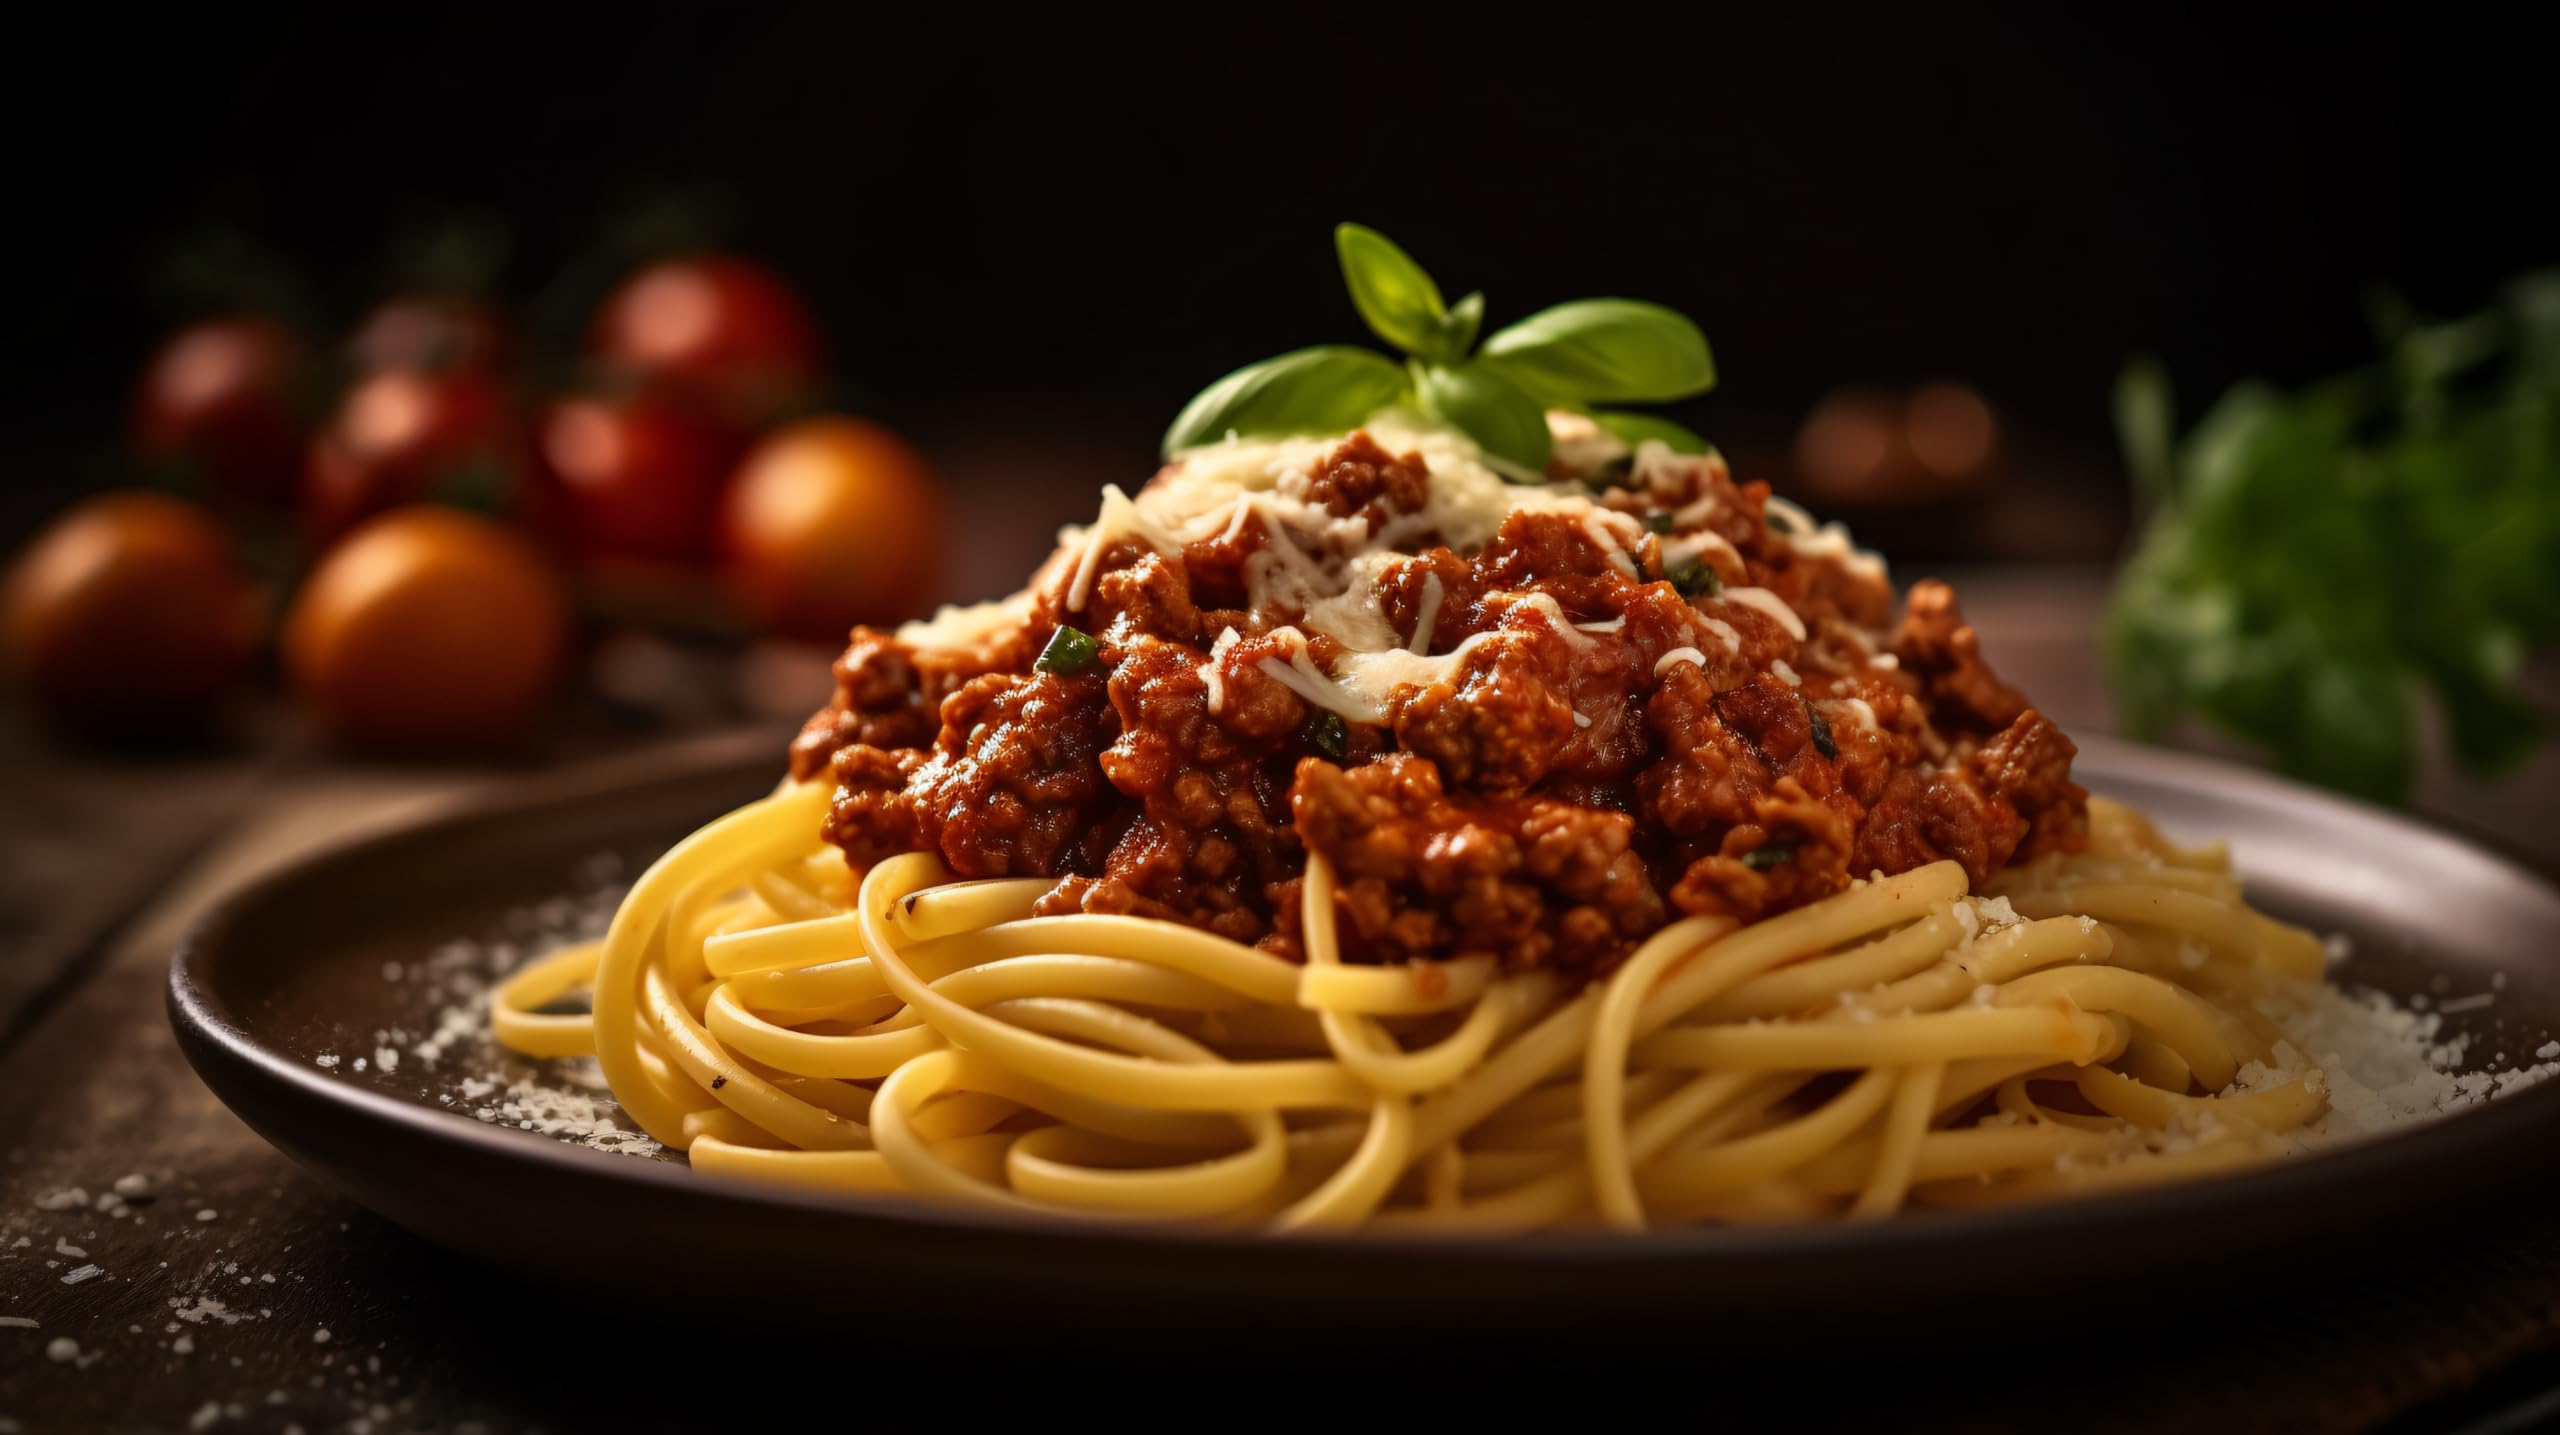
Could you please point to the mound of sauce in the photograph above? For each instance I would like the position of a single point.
(1538, 721)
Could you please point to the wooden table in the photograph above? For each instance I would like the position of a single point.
(234, 1291)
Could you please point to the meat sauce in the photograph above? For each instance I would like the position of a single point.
(1664, 703)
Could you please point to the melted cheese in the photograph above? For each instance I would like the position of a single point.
(1546, 606)
(1829, 540)
(1771, 604)
(1359, 691)
(1211, 677)
(1327, 568)
(1427, 618)
(958, 627)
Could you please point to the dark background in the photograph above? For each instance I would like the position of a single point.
(1019, 227)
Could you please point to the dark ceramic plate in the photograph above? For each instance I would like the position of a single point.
(299, 966)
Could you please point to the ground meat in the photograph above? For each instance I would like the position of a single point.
(1533, 881)
(1937, 646)
(1015, 783)
(1607, 751)
(1981, 809)
(1499, 727)
(1362, 478)
(879, 702)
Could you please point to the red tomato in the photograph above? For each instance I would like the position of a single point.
(219, 399)
(832, 522)
(725, 326)
(637, 475)
(130, 617)
(407, 434)
(427, 628)
(428, 331)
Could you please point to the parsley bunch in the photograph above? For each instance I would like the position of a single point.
(1592, 351)
(2316, 563)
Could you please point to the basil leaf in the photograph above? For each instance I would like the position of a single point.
(1633, 429)
(1605, 351)
(1695, 579)
(1319, 390)
(1497, 413)
(1458, 328)
(1393, 294)
(1071, 651)
(1328, 734)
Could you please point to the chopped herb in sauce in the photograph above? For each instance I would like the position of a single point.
(1822, 740)
(1761, 859)
(1327, 734)
(1695, 579)
(1660, 523)
(1070, 651)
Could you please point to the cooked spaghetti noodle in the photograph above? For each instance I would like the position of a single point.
(2092, 1020)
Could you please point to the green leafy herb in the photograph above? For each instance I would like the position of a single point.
(2316, 565)
(1695, 579)
(1823, 741)
(1762, 858)
(1318, 390)
(1327, 734)
(1662, 523)
(1633, 429)
(1395, 297)
(1458, 327)
(1605, 351)
(1498, 413)
(1070, 652)
(1569, 357)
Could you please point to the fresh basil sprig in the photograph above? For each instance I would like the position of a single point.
(1570, 357)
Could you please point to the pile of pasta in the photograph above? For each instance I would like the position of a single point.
(2092, 1021)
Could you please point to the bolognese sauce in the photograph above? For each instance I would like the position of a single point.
(1536, 721)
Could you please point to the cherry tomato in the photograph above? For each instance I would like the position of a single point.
(428, 331)
(832, 522)
(408, 434)
(219, 400)
(427, 627)
(637, 475)
(131, 617)
(725, 326)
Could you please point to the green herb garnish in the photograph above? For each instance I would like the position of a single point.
(1570, 356)
(1327, 734)
(1071, 651)
(1762, 858)
(2316, 563)
(1695, 579)
(1662, 523)
(1634, 429)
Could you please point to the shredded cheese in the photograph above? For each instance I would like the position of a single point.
(1771, 604)
(1428, 616)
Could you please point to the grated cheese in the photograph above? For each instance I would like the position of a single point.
(1771, 604)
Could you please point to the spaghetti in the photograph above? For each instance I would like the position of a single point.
(2089, 1020)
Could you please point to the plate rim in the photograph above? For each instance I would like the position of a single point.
(209, 1033)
